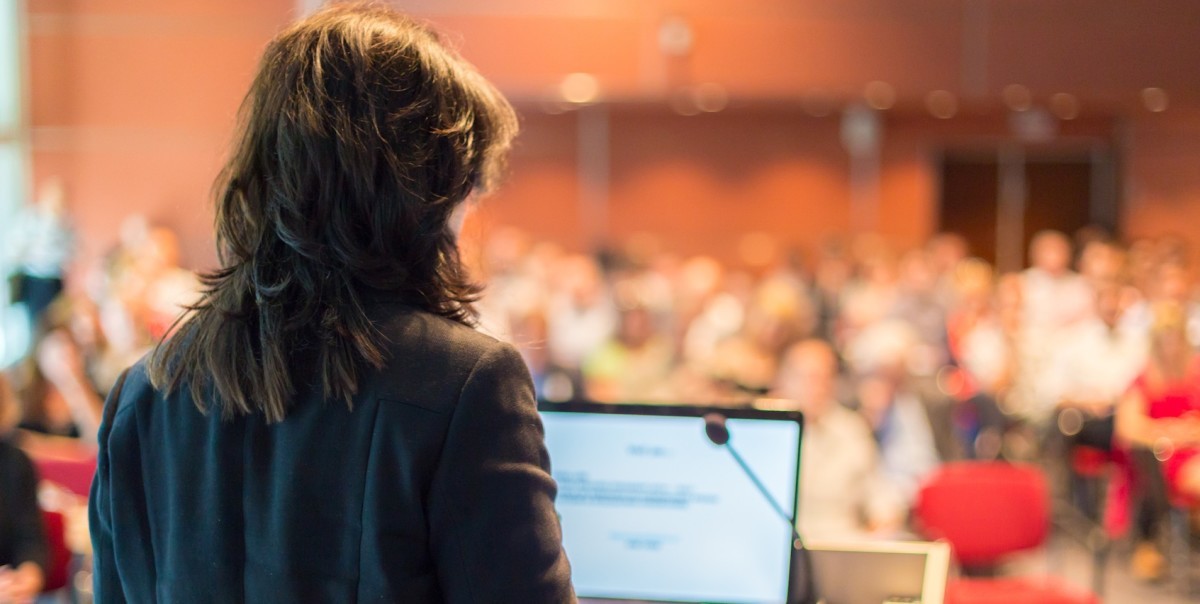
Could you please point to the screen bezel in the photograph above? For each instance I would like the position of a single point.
(796, 582)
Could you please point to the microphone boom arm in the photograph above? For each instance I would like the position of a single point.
(763, 489)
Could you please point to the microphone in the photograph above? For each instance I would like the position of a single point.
(718, 432)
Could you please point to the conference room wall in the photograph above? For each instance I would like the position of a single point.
(132, 103)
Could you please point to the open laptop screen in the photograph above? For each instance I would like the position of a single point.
(652, 510)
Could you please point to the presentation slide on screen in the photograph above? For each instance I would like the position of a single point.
(651, 509)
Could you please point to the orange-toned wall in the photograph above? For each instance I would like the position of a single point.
(1162, 181)
(699, 184)
(132, 105)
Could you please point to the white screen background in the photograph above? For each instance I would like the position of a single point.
(651, 509)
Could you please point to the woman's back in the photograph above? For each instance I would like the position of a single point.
(435, 487)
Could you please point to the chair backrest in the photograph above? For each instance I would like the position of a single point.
(75, 475)
(986, 510)
(58, 570)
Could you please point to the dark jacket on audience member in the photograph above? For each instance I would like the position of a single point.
(22, 536)
(435, 488)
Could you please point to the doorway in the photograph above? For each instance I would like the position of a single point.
(998, 199)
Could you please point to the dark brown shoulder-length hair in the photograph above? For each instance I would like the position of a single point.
(360, 136)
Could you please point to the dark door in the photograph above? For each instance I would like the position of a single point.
(999, 201)
(970, 200)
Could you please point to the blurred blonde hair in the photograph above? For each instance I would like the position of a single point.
(1168, 317)
(10, 411)
(973, 275)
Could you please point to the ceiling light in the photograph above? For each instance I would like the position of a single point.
(675, 36)
(1065, 106)
(579, 88)
(941, 104)
(1017, 97)
(711, 98)
(1155, 99)
(880, 95)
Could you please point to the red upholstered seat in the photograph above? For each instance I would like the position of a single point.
(75, 475)
(1089, 462)
(1016, 590)
(987, 510)
(60, 557)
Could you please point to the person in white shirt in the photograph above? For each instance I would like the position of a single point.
(1054, 298)
(39, 244)
(901, 427)
(1094, 365)
(582, 315)
(1171, 282)
(843, 494)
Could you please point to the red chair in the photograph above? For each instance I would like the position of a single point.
(75, 475)
(988, 510)
(58, 571)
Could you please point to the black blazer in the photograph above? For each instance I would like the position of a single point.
(21, 533)
(435, 488)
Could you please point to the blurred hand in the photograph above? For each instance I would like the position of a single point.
(1097, 408)
(20, 585)
(59, 359)
(1184, 431)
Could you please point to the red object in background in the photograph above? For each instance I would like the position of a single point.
(57, 572)
(1089, 462)
(1010, 590)
(985, 510)
(75, 475)
(988, 510)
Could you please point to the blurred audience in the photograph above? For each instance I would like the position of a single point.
(900, 359)
(1158, 421)
(843, 492)
(24, 553)
(1092, 367)
(39, 245)
(90, 331)
(908, 358)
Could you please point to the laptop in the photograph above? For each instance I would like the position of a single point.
(652, 510)
(850, 572)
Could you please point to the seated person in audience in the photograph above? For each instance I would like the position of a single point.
(778, 316)
(871, 296)
(842, 490)
(1092, 368)
(23, 550)
(59, 397)
(635, 364)
(581, 315)
(901, 427)
(527, 331)
(1158, 419)
(982, 356)
(1053, 299)
(1171, 282)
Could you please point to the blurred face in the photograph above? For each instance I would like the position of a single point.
(1173, 283)
(808, 377)
(582, 280)
(948, 251)
(9, 410)
(1051, 253)
(636, 327)
(918, 273)
(1171, 346)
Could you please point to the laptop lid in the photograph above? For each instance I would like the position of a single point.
(849, 572)
(652, 510)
